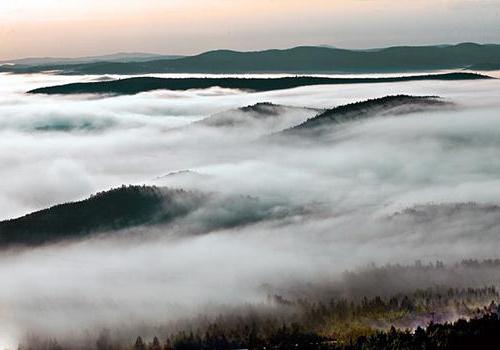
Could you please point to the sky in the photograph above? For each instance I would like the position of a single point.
(90, 27)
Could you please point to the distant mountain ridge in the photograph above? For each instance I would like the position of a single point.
(116, 57)
(302, 59)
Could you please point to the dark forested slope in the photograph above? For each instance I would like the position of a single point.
(389, 105)
(111, 210)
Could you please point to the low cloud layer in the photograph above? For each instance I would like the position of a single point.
(346, 189)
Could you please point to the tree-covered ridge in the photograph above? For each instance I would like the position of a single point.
(393, 105)
(261, 110)
(116, 209)
(142, 84)
(298, 59)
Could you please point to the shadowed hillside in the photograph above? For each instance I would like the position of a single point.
(111, 210)
(143, 84)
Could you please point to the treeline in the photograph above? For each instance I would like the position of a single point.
(344, 319)
(482, 332)
(364, 109)
(476, 333)
(391, 279)
(309, 324)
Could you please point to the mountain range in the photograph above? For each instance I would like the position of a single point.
(302, 59)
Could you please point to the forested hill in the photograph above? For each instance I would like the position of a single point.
(161, 209)
(116, 209)
(298, 59)
(393, 105)
(143, 84)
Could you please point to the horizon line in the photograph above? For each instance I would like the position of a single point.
(326, 46)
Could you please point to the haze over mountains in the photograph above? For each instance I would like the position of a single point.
(134, 206)
(299, 59)
(116, 57)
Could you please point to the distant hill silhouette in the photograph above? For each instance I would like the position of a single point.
(396, 104)
(143, 84)
(430, 212)
(303, 59)
(116, 57)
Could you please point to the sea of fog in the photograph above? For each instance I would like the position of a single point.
(55, 149)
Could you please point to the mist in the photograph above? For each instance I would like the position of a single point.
(388, 189)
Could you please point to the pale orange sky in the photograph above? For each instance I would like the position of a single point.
(88, 27)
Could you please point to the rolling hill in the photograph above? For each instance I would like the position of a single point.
(116, 209)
